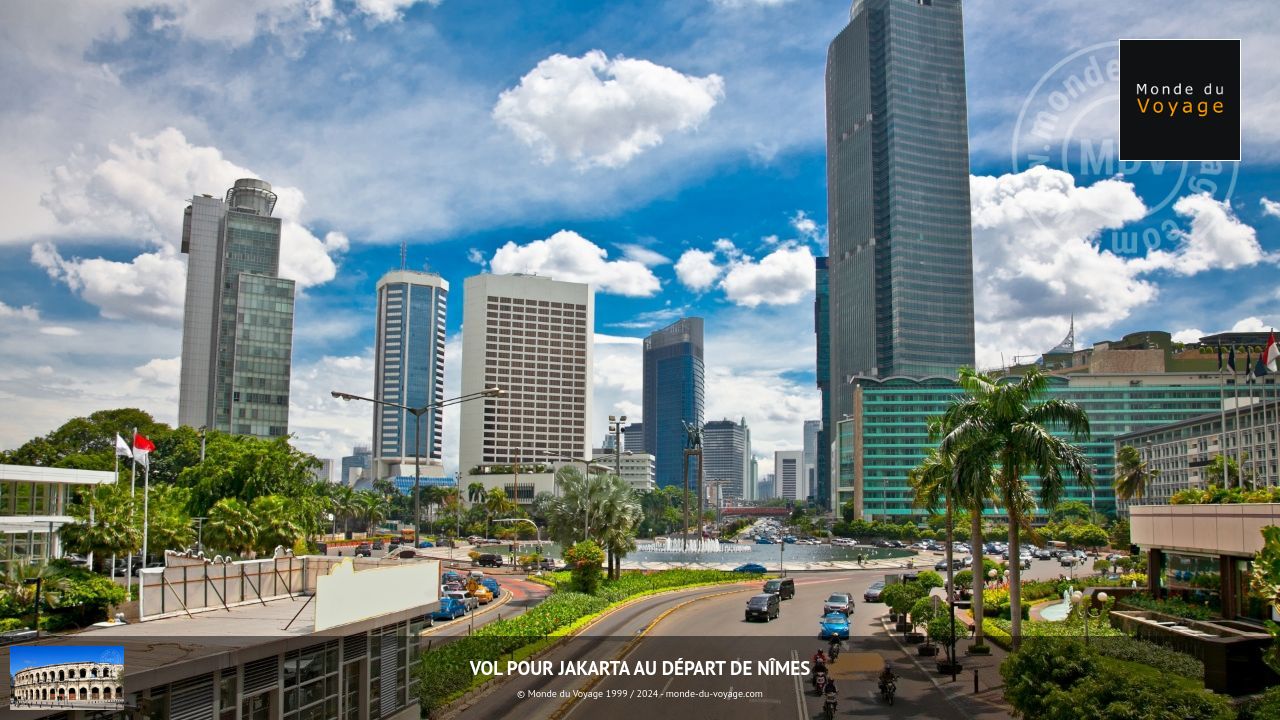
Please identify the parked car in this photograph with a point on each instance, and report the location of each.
(765, 606)
(751, 568)
(874, 592)
(426, 544)
(465, 598)
(833, 624)
(364, 550)
(450, 608)
(838, 602)
(784, 587)
(489, 560)
(956, 564)
(137, 567)
(1068, 560)
(1043, 554)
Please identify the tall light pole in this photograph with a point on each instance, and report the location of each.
(615, 427)
(417, 450)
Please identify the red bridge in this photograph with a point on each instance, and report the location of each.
(755, 511)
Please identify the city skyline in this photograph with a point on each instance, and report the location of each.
(706, 199)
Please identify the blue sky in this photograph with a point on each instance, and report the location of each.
(671, 153)
(22, 657)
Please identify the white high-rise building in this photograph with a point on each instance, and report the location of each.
(811, 430)
(531, 337)
(409, 370)
(788, 471)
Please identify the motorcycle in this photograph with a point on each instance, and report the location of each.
(829, 707)
(834, 650)
(887, 689)
(819, 680)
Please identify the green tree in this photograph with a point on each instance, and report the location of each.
(1265, 583)
(1132, 474)
(476, 493)
(112, 531)
(1008, 427)
(1042, 665)
(619, 517)
(231, 527)
(169, 526)
(1214, 471)
(275, 518)
(373, 508)
(584, 561)
(1088, 535)
(1118, 534)
(1071, 511)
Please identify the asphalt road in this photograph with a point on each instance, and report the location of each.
(708, 624)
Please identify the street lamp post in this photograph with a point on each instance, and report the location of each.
(1086, 609)
(615, 427)
(417, 416)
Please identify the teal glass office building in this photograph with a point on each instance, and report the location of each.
(673, 395)
(874, 450)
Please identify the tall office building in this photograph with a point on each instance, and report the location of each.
(356, 466)
(900, 267)
(531, 337)
(788, 472)
(673, 395)
(752, 491)
(237, 324)
(822, 328)
(633, 438)
(726, 445)
(811, 430)
(409, 369)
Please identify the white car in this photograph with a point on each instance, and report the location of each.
(469, 601)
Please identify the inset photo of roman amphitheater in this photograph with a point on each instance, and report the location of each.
(66, 677)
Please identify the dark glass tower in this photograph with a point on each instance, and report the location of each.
(822, 328)
(673, 394)
(901, 263)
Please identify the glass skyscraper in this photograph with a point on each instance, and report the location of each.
(900, 266)
(237, 332)
(822, 328)
(673, 394)
(409, 364)
(726, 445)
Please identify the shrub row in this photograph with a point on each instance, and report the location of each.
(1170, 606)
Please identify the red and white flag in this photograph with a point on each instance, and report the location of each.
(1270, 353)
(142, 448)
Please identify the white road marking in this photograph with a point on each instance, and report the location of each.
(800, 713)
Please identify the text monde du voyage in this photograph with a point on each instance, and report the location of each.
(679, 666)
(1180, 99)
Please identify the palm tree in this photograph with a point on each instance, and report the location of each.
(619, 514)
(1132, 474)
(476, 492)
(113, 530)
(277, 526)
(342, 503)
(934, 481)
(568, 513)
(1006, 427)
(231, 526)
(372, 507)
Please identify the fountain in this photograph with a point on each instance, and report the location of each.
(1059, 612)
(696, 545)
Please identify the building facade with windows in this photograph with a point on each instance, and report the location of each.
(638, 469)
(886, 435)
(237, 328)
(33, 507)
(409, 370)
(633, 437)
(673, 395)
(532, 337)
(726, 449)
(788, 474)
(822, 329)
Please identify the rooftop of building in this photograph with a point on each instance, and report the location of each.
(40, 474)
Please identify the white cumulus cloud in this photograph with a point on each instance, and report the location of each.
(1217, 240)
(1270, 207)
(597, 111)
(567, 255)
(150, 287)
(383, 11)
(697, 270)
(26, 312)
(782, 277)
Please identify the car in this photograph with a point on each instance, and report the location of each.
(756, 568)
(764, 605)
(364, 550)
(762, 540)
(465, 598)
(956, 564)
(451, 587)
(833, 625)
(1068, 560)
(426, 544)
(450, 609)
(138, 567)
(75, 559)
(492, 585)
(451, 576)
(377, 545)
(874, 593)
(838, 602)
(547, 564)
(1025, 562)
(883, 544)
(1043, 554)
(489, 560)
(480, 593)
(784, 587)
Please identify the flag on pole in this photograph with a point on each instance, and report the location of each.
(1231, 365)
(1220, 366)
(1248, 364)
(122, 447)
(142, 448)
(1270, 353)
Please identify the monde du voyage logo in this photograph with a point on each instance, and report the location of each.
(1180, 100)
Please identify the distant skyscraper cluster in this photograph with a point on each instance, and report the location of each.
(237, 324)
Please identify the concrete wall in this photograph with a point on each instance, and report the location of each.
(1206, 529)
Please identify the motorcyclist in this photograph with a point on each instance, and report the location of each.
(833, 647)
(827, 687)
(887, 676)
(819, 660)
